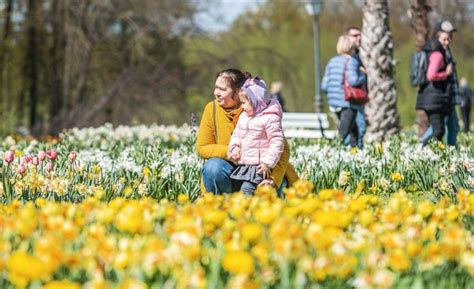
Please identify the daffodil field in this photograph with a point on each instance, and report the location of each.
(121, 208)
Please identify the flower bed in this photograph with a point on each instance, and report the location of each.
(160, 162)
(331, 239)
(121, 208)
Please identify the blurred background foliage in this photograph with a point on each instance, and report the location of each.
(86, 62)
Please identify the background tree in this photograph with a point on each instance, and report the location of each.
(33, 25)
(86, 62)
(145, 61)
(133, 50)
(418, 14)
(4, 55)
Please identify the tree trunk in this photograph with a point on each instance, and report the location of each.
(5, 52)
(377, 56)
(58, 101)
(124, 43)
(418, 14)
(32, 59)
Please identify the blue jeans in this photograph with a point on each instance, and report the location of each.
(452, 131)
(361, 129)
(216, 177)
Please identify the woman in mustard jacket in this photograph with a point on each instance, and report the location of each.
(217, 124)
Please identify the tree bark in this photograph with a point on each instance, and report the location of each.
(377, 56)
(58, 101)
(418, 14)
(5, 52)
(32, 59)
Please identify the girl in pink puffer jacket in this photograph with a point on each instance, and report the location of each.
(257, 141)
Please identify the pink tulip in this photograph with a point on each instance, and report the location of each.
(35, 161)
(72, 156)
(41, 155)
(49, 166)
(52, 154)
(21, 169)
(9, 156)
(28, 159)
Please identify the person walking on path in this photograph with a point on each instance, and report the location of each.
(356, 36)
(275, 90)
(258, 140)
(451, 120)
(435, 97)
(341, 66)
(465, 102)
(218, 122)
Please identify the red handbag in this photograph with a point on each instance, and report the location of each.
(354, 94)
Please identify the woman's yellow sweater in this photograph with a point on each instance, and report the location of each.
(214, 134)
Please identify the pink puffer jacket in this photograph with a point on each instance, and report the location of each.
(260, 138)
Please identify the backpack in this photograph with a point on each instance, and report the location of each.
(418, 68)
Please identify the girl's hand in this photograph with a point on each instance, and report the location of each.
(234, 155)
(263, 170)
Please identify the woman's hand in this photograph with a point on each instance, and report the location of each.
(449, 69)
(263, 170)
(267, 182)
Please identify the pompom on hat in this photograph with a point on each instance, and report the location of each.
(257, 92)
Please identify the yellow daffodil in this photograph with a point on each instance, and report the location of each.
(425, 209)
(303, 188)
(64, 284)
(238, 262)
(441, 146)
(132, 283)
(399, 261)
(23, 268)
(452, 213)
(365, 218)
(379, 148)
(215, 217)
(265, 215)
(413, 248)
(251, 232)
(397, 177)
(183, 198)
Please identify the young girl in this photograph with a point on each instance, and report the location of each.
(257, 142)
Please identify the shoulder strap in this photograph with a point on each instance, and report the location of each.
(214, 119)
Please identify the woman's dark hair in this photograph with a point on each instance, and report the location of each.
(234, 77)
(435, 44)
(438, 33)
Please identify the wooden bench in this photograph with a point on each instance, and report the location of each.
(306, 125)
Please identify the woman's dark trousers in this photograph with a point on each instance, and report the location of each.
(347, 125)
(437, 122)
